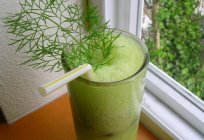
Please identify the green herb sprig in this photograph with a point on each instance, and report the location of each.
(46, 30)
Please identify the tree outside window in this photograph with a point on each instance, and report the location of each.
(176, 40)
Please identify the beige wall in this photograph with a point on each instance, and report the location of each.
(18, 94)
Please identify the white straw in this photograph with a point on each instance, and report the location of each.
(85, 69)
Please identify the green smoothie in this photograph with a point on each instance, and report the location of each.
(108, 108)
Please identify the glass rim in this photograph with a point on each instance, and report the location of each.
(143, 66)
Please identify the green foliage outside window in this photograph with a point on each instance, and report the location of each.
(181, 51)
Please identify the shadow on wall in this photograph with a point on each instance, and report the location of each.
(2, 117)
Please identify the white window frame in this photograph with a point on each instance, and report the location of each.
(169, 110)
(172, 107)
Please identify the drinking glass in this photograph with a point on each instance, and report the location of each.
(109, 110)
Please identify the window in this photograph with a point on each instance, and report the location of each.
(173, 32)
(169, 110)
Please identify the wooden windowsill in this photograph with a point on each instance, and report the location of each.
(51, 122)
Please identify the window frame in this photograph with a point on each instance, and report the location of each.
(172, 107)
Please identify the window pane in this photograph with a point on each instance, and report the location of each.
(174, 32)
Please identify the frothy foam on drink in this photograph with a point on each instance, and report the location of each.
(127, 59)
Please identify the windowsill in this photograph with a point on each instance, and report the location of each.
(51, 122)
(170, 107)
